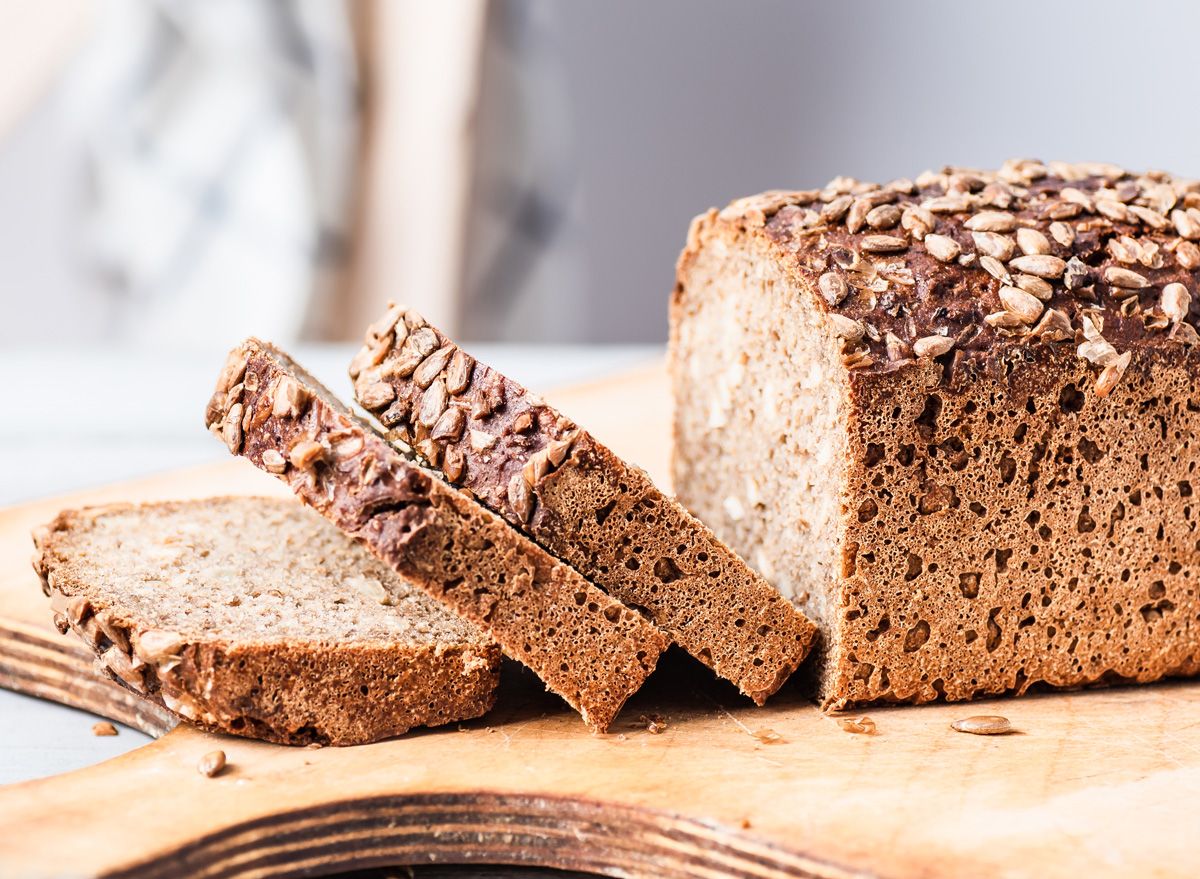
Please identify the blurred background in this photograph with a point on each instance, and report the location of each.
(183, 173)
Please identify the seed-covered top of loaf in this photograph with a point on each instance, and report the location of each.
(1089, 256)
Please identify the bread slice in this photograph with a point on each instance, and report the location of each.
(587, 647)
(254, 616)
(558, 484)
(957, 419)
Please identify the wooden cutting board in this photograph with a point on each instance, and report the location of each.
(1098, 783)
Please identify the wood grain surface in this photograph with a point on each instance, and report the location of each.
(1096, 783)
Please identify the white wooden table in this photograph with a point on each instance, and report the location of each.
(71, 419)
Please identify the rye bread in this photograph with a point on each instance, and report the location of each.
(956, 419)
(587, 647)
(554, 481)
(256, 617)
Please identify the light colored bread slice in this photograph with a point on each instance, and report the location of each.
(584, 645)
(254, 616)
(556, 482)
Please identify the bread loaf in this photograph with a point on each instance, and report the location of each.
(256, 617)
(955, 419)
(558, 484)
(587, 647)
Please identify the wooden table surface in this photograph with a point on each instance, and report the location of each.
(1095, 783)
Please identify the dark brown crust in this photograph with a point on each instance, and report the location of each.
(557, 483)
(584, 645)
(948, 298)
(287, 693)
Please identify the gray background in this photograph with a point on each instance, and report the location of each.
(673, 106)
(605, 127)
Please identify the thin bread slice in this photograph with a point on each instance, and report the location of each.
(584, 645)
(554, 481)
(254, 616)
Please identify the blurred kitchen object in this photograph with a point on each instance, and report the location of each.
(202, 170)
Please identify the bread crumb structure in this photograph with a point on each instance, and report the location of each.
(254, 616)
(955, 420)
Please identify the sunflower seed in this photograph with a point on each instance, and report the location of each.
(1125, 278)
(983, 725)
(557, 451)
(375, 396)
(942, 247)
(1098, 352)
(1077, 274)
(833, 288)
(917, 222)
(211, 764)
(1112, 209)
(836, 209)
(1124, 249)
(1111, 374)
(433, 404)
(481, 440)
(1038, 287)
(858, 725)
(1032, 242)
(458, 375)
(1039, 265)
(932, 346)
(520, 498)
(856, 217)
(289, 399)
(1185, 333)
(947, 204)
(1149, 216)
(1062, 233)
(993, 244)
(1024, 305)
(432, 366)
(991, 221)
(1054, 326)
(1004, 320)
(274, 461)
(883, 216)
(305, 454)
(995, 268)
(449, 426)
(1187, 255)
(846, 328)
(897, 348)
(231, 430)
(1185, 224)
(1175, 301)
(454, 465)
(883, 243)
(1075, 196)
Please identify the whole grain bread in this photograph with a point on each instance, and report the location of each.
(587, 647)
(256, 617)
(955, 419)
(557, 483)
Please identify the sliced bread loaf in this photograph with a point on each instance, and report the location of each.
(584, 645)
(254, 616)
(968, 406)
(557, 483)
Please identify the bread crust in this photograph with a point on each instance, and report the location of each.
(1015, 478)
(554, 481)
(284, 691)
(583, 644)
